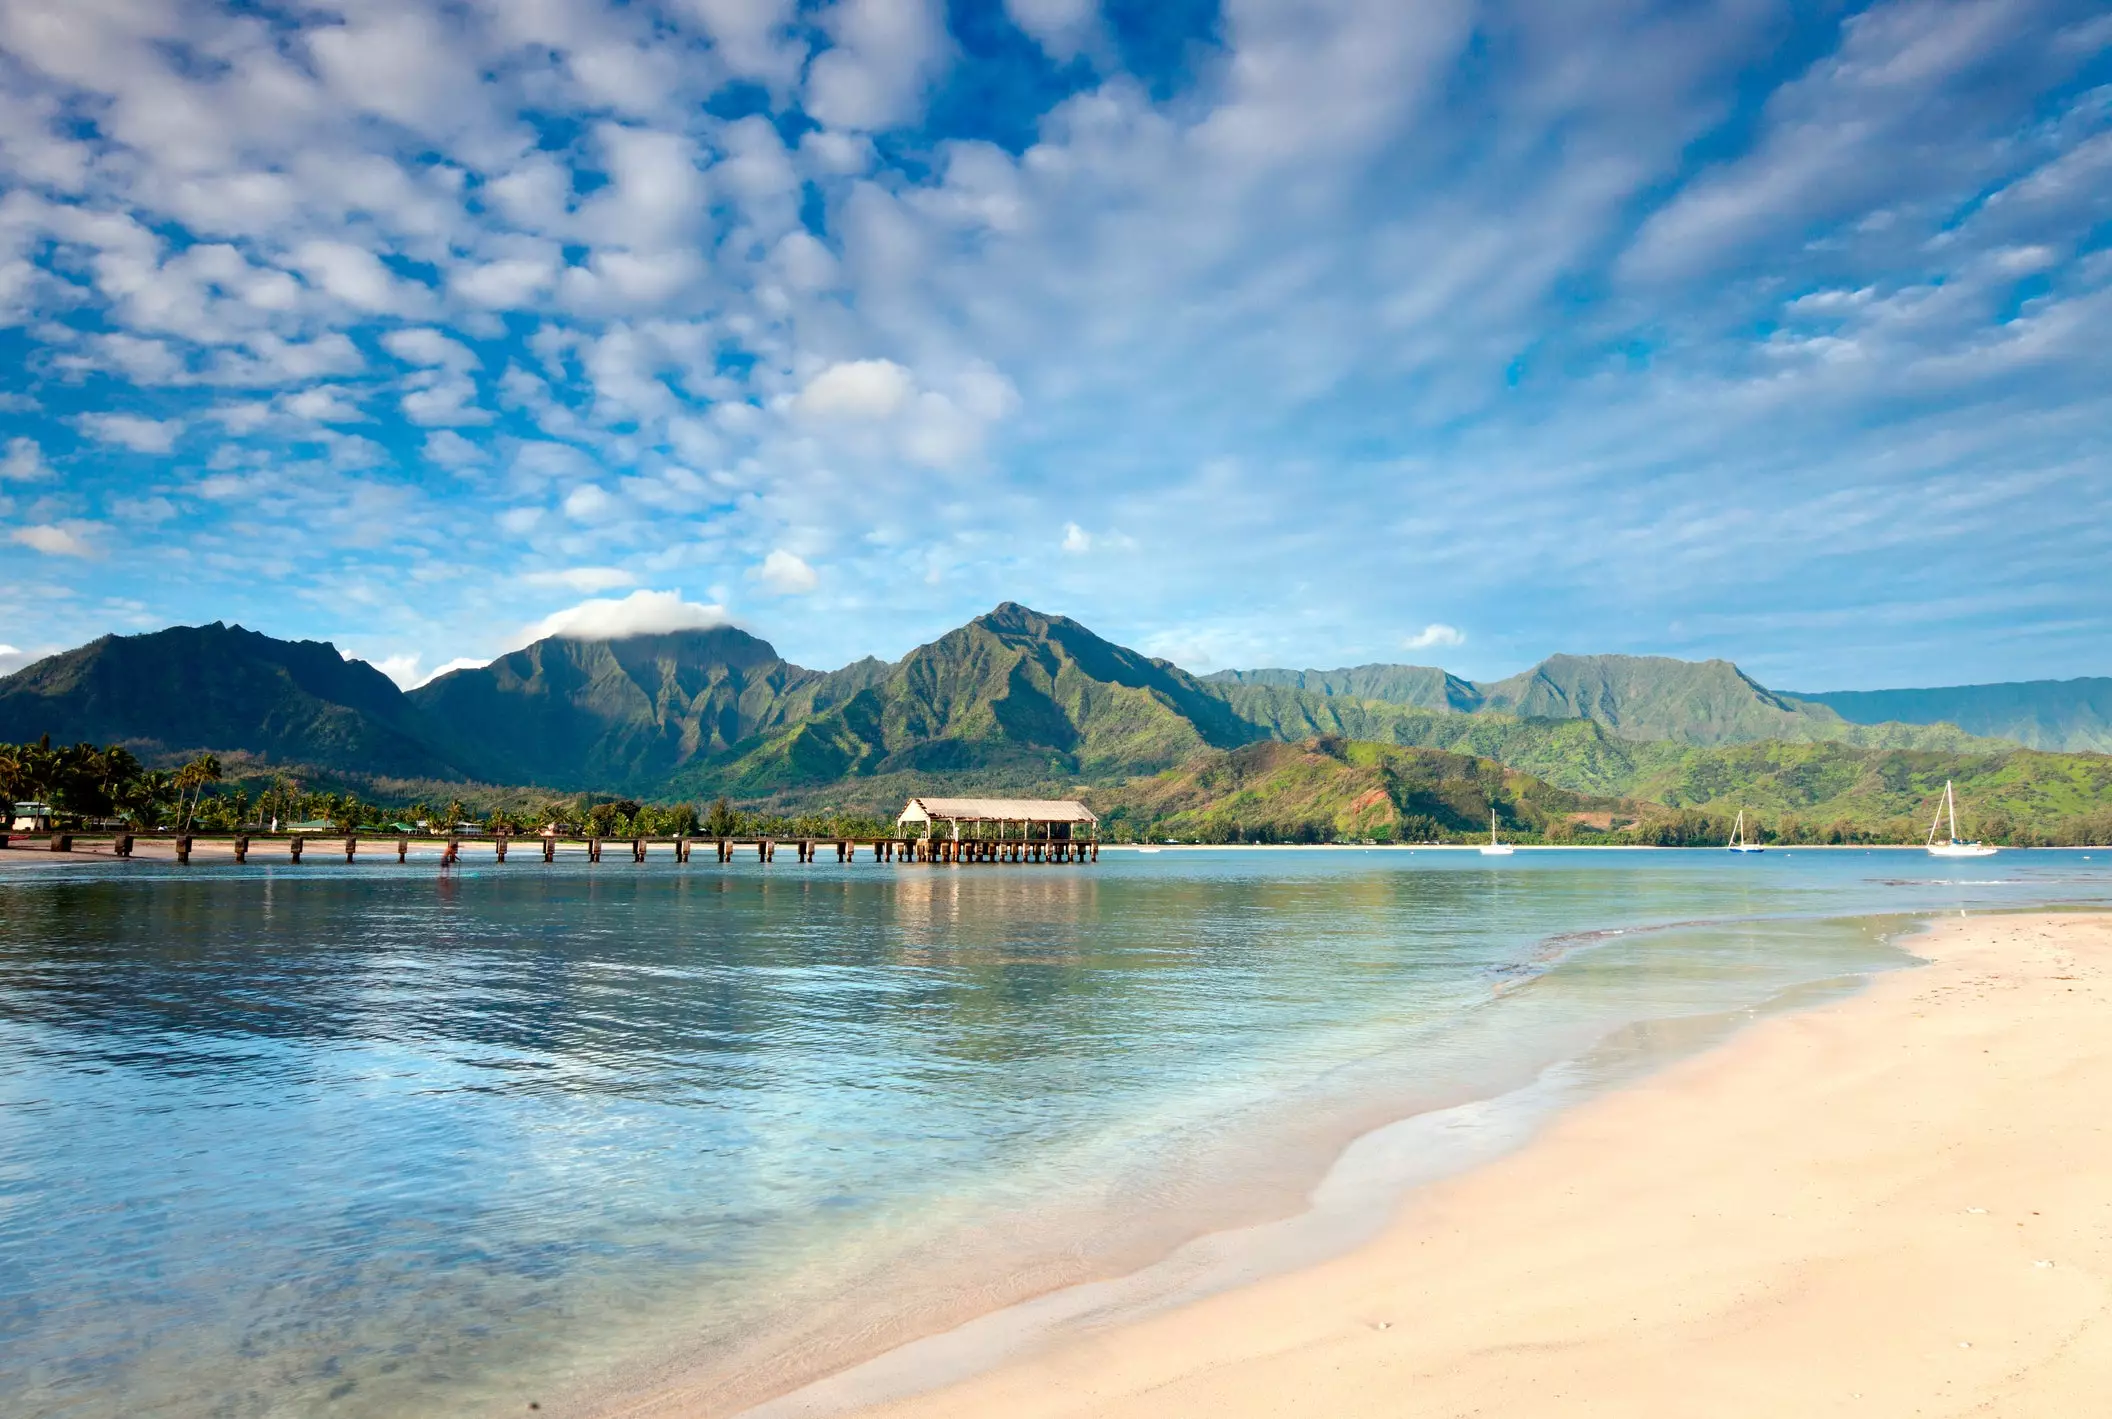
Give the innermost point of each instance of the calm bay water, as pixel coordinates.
(376, 1141)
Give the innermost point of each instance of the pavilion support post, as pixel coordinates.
(123, 845)
(183, 849)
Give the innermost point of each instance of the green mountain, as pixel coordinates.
(1014, 696)
(1021, 702)
(1643, 697)
(221, 688)
(2044, 714)
(627, 713)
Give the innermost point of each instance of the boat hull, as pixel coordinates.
(1961, 850)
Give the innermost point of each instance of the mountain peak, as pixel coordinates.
(1010, 616)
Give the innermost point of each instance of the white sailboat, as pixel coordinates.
(1953, 847)
(1739, 841)
(1493, 848)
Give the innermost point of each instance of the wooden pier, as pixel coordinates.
(190, 849)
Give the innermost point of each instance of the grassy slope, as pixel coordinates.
(1329, 789)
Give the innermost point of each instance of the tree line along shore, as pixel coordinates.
(1325, 790)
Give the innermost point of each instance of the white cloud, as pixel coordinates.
(886, 52)
(12, 659)
(404, 669)
(141, 435)
(357, 277)
(1437, 633)
(583, 578)
(55, 541)
(512, 283)
(590, 502)
(448, 449)
(1076, 539)
(858, 389)
(24, 462)
(441, 398)
(642, 613)
(786, 574)
(750, 39)
(325, 404)
(426, 346)
(1060, 26)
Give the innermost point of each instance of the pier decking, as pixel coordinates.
(190, 849)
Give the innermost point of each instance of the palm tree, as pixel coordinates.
(13, 780)
(193, 777)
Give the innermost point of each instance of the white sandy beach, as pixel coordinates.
(1897, 1204)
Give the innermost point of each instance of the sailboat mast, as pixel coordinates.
(1950, 804)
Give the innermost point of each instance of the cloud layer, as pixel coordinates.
(1268, 331)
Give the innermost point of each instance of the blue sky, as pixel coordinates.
(1303, 332)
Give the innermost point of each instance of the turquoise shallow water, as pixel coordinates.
(379, 1142)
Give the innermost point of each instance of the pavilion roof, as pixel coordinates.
(997, 810)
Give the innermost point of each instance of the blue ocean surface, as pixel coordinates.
(386, 1141)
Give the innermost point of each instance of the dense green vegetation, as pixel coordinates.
(89, 785)
(1338, 790)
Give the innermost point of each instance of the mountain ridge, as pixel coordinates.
(2039, 714)
(1014, 697)
(223, 688)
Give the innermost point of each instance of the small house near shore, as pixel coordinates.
(1045, 819)
(30, 818)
